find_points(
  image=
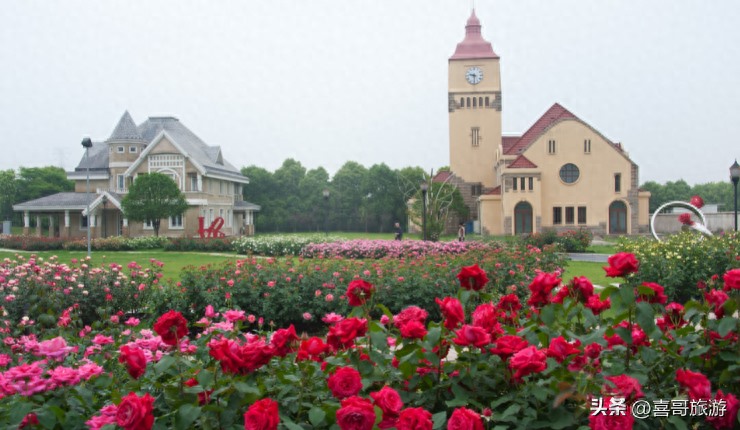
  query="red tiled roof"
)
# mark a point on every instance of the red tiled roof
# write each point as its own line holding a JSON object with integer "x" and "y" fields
{"x": 508, "y": 141}
{"x": 554, "y": 114}
{"x": 442, "y": 176}
{"x": 522, "y": 162}
{"x": 494, "y": 191}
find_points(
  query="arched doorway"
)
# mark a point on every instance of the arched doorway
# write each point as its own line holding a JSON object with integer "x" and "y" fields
{"x": 617, "y": 218}
{"x": 522, "y": 218}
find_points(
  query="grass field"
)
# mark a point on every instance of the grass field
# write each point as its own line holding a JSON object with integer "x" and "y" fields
{"x": 593, "y": 271}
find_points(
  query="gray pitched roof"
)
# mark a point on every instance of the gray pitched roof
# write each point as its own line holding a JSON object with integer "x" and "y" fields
{"x": 190, "y": 142}
{"x": 241, "y": 205}
{"x": 126, "y": 130}
{"x": 98, "y": 158}
{"x": 210, "y": 157}
{"x": 56, "y": 202}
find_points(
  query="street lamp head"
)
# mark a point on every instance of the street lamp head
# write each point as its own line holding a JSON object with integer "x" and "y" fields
{"x": 735, "y": 172}
{"x": 326, "y": 194}
{"x": 86, "y": 142}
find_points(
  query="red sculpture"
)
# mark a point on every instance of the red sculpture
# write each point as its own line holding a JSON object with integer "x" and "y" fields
{"x": 214, "y": 230}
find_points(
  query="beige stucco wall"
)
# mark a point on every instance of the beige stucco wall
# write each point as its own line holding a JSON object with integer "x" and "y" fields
{"x": 474, "y": 163}
{"x": 491, "y": 215}
{"x": 644, "y": 211}
{"x": 594, "y": 189}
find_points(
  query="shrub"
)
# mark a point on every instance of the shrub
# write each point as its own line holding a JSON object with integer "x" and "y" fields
{"x": 388, "y": 248}
{"x": 199, "y": 244}
{"x": 681, "y": 261}
{"x": 31, "y": 243}
{"x": 276, "y": 246}
{"x": 569, "y": 240}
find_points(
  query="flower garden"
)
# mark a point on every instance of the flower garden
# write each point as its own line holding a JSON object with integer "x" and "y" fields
{"x": 484, "y": 337}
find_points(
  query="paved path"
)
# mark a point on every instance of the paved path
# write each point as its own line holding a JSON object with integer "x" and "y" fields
{"x": 595, "y": 258}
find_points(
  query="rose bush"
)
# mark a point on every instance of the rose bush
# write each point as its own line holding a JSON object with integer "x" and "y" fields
{"x": 503, "y": 364}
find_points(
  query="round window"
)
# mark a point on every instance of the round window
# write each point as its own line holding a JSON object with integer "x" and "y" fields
{"x": 569, "y": 173}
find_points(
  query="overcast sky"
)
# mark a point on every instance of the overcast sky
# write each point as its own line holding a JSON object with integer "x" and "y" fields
{"x": 329, "y": 81}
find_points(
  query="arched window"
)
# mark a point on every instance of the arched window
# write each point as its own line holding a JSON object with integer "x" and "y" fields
{"x": 468, "y": 102}
{"x": 487, "y": 103}
{"x": 462, "y": 102}
{"x": 474, "y": 102}
{"x": 480, "y": 101}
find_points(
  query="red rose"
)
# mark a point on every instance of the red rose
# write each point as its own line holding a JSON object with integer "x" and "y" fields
{"x": 345, "y": 382}
{"x": 135, "y": 360}
{"x": 732, "y": 407}
{"x": 560, "y": 349}
{"x": 262, "y": 415}
{"x": 472, "y": 278}
{"x": 541, "y": 288}
{"x": 732, "y": 280}
{"x": 527, "y": 361}
{"x": 356, "y": 414}
{"x": 281, "y": 340}
{"x": 359, "y": 291}
{"x": 241, "y": 359}
{"x": 171, "y": 327}
{"x": 596, "y": 305}
{"x": 452, "y": 310}
{"x": 414, "y": 419}
{"x": 411, "y": 313}
{"x": 135, "y": 413}
{"x": 470, "y": 335}
{"x": 697, "y": 201}
{"x": 464, "y": 419}
{"x": 343, "y": 334}
{"x": 509, "y": 302}
{"x": 413, "y": 330}
{"x": 621, "y": 264}
{"x": 593, "y": 350}
{"x": 623, "y": 386}
{"x": 508, "y": 345}
{"x": 311, "y": 349}
{"x": 484, "y": 316}
{"x": 718, "y": 299}
{"x": 389, "y": 401}
{"x": 657, "y": 295}
{"x": 685, "y": 219}
{"x": 696, "y": 383}
{"x": 605, "y": 421}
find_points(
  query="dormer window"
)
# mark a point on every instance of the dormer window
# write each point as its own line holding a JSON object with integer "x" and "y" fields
{"x": 132, "y": 149}
{"x": 121, "y": 149}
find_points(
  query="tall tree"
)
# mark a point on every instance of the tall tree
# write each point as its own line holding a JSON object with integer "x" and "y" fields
{"x": 350, "y": 195}
{"x": 442, "y": 200}
{"x": 261, "y": 191}
{"x": 8, "y": 191}
{"x": 153, "y": 197}
{"x": 37, "y": 182}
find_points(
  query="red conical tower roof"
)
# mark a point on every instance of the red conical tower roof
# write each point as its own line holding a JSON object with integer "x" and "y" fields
{"x": 474, "y": 45}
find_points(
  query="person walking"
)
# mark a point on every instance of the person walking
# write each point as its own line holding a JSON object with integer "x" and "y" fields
{"x": 399, "y": 232}
{"x": 461, "y": 233}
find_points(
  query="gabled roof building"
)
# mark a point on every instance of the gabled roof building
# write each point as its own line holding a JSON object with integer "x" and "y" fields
{"x": 560, "y": 173}
{"x": 212, "y": 186}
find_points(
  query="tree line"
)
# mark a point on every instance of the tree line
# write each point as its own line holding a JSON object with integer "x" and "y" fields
{"x": 721, "y": 193}
{"x": 29, "y": 183}
{"x": 292, "y": 198}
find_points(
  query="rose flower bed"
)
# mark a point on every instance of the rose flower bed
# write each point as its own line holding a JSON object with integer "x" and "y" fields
{"x": 389, "y": 248}
{"x": 566, "y": 357}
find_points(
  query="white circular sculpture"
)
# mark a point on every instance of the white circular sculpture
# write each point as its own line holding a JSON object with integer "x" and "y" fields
{"x": 694, "y": 206}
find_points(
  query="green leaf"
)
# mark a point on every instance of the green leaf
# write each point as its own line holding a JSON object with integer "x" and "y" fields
{"x": 646, "y": 318}
{"x": 726, "y": 325}
{"x": 205, "y": 378}
{"x": 316, "y": 416}
{"x": 186, "y": 415}
{"x": 439, "y": 419}
{"x": 511, "y": 410}
{"x": 433, "y": 335}
{"x": 677, "y": 423}
{"x": 290, "y": 424}
{"x": 245, "y": 388}
{"x": 547, "y": 315}
{"x": 627, "y": 294}
{"x": 164, "y": 364}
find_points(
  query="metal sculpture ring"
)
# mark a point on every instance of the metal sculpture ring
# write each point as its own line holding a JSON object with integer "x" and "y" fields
{"x": 701, "y": 227}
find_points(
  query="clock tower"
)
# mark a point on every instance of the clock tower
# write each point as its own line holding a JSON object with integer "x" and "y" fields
{"x": 474, "y": 104}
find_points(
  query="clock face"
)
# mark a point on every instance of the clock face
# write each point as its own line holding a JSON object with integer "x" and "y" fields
{"x": 474, "y": 75}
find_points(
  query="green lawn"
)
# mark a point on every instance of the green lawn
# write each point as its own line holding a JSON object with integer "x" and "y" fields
{"x": 593, "y": 271}
{"x": 174, "y": 262}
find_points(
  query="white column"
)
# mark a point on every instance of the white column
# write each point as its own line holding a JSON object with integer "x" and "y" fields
{"x": 125, "y": 222}
{"x": 66, "y": 218}
{"x": 200, "y": 183}
{"x": 26, "y": 219}
{"x": 93, "y": 220}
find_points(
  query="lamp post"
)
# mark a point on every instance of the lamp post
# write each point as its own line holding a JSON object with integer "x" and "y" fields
{"x": 735, "y": 176}
{"x": 326, "y": 209}
{"x": 424, "y": 189}
{"x": 87, "y": 143}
